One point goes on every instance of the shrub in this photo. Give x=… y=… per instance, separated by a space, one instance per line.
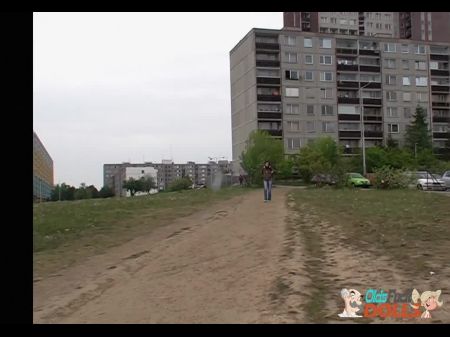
x=180 y=184
x=387 y=177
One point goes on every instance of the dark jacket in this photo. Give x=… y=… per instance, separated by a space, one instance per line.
x=267 y=173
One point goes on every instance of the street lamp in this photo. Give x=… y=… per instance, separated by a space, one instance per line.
x=363 y=143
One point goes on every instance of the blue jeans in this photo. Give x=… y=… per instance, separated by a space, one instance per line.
x=267 y=189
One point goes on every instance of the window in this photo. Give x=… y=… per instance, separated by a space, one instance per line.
x=326 y=59
x=309 y=59
x=352 y=22
x=393 y=128
x=378 y=25
x=326 y=93
x=307 y=42
x=387 y=26
x=292 y=109
x=292 y=74
x=328 y=127
x=324 y=19
x=310 y=126
x=387 y=16
x=333 y=20
x=326 y=76
x=369 y=78
x=293 y=126
x=293 y=143
x=291 y=57
x=406 y=96
x=391 y=79
x=292 y=92
x=434 y=65
x=407 y=112
x=391 y=95
x=419 y=49
x=325 y=43
x=392 y=112
x=422 y=97
x=421 y=81
x=421 y=65
x=343 y=21
x=310 y=92
x=290 y=40
x=389 y=63
x=405 y=64
x=389 y=47
x=406 y=80
x=310 y=110
x=269 y=107
x=327 y=110
x=405 y=48
x=309 y=76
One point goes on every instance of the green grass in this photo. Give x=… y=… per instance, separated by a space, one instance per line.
x=399 y=223
x=65 y=232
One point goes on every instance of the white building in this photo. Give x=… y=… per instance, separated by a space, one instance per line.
x=138 y=173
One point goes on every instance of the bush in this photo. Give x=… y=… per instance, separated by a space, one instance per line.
x=180 y=184
x=387 y=177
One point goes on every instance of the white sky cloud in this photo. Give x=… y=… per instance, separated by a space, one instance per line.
x=114 y=87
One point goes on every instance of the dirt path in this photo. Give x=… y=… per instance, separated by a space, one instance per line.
x=216 y=266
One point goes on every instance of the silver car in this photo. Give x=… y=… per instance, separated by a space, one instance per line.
x=446 y=178
x=428 y=181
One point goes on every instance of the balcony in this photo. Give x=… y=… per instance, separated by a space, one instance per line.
x=267 y=46
x=441 y=135
x=268 y=80
x=371 y=101
x=350 y=134
x=275 y=133
x=440 y=88
x=268 y=63
x=269 y=98
x=373 y=134
x=373 y=69
x=437 y=57
x=348 y=117
x=369 y=52
x=441 y=104
x=439 y=119
x=347 y=84
x=373 y=118
x=347 y=67
x=440 y=72
x=269 y=115
x=346 y=51
x=372 y=85
x=348 y=100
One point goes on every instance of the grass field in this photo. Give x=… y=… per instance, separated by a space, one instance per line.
x=65 y=232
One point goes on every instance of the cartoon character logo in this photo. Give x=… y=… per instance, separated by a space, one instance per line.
x=429 y=300
x=352 y=300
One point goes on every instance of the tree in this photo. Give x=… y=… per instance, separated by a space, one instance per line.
x=147 y=184
x=180 y=184
x=63 y=192
x=261 y=147
x=131 y=185
x=417 y=136
x=105 y=192
x=391 y=143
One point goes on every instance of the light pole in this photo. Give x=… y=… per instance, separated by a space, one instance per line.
x=363 y=142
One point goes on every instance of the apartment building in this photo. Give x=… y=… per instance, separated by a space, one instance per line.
x=164 y=173
x=42 y=170
x=424 y=26
x=301 y=85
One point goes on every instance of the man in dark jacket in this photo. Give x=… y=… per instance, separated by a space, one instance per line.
x=267 y=173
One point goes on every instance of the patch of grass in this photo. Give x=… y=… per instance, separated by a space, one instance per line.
x=66 y=231
x=412 y=227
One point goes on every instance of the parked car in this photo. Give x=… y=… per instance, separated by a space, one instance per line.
x=357 y=180
x=429 y=181
x=446 y=179
x=323 y=179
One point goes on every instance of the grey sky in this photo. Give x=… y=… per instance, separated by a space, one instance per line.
x=114 y=87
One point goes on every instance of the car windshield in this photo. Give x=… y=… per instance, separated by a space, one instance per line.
x=356 y=175
x=425 y=175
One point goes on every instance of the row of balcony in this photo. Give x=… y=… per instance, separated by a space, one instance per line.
x=357 y=134
x=355 y=84
x=353 y=117
x=355 y=67
x=351 y=51
x=441 y=135
x=355 y=100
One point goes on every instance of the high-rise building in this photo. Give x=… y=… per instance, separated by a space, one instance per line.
x=425 y=26
x=42 y=171
x=300 y=85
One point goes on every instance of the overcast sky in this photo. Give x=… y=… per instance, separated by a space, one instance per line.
x=115 y=87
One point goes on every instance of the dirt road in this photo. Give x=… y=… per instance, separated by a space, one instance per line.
x=217 y=266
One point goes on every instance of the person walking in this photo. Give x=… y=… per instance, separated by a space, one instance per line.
x=241 y=180
x=267 y=173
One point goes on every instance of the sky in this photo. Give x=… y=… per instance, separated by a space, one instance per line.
x=134 y=87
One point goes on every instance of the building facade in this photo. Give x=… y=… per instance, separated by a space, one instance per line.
x=164 y=173
x=301 y=85
x=42 y=170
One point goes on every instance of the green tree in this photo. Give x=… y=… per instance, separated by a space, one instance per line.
x=147 y=184
x=180 y=184
x=132 y=185
x=417 y=135
x=63 y=192
x=391 y=143
x=261 y=147
x=105 y=192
